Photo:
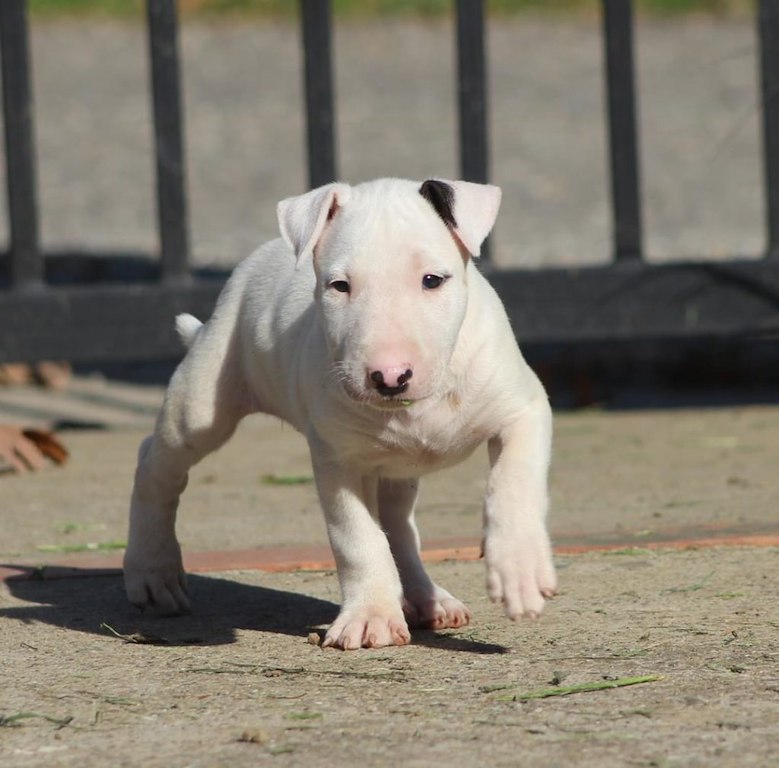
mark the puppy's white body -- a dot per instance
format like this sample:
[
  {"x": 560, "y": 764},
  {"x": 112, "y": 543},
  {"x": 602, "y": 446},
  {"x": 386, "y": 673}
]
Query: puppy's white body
[{"x": 390, "y": 374}]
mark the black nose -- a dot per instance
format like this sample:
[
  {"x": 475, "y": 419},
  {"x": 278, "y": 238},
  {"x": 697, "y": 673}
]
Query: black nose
[{"x": 384, "y": 389}]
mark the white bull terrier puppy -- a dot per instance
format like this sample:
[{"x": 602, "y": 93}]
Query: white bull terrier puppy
[{"x": 369, "y": 329}]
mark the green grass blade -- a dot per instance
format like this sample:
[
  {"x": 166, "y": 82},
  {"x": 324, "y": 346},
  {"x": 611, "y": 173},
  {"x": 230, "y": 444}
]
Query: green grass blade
[
  {"x": 567, "y": 690},
  {"x": 287, "y": 479},
  {"x": 15, "y": 719},
  {"x": 102, "y": 546}
]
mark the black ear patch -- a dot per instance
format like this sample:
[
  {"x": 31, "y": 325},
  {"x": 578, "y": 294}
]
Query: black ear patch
[{"x": 441, "y": 196}]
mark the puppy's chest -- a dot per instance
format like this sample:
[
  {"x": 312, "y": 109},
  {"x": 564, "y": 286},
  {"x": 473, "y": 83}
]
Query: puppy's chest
[{"x": 409, "y": 445}]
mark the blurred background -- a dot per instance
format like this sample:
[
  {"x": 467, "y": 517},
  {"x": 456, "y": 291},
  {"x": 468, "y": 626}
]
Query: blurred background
[{"x": 395, "y": 85}]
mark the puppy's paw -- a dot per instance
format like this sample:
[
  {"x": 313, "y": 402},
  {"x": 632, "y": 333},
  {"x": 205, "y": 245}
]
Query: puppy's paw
[
  {"x": 520, "y": 576},
  {"x": 367, "y": 626},
  {"x": 157, "y": 583},
  {"x": 435, "y": 609}
]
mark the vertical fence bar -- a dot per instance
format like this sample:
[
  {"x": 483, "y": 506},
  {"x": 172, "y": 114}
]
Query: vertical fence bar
[
  {"x": 318, "y": 84},
  {"x": 623, "y": 135},
  {"x": 169, "y": 142},
  {"x": 768, "y": 35},
  {"x": 26, "y": 262},
  {"x": 472, "y": 95},
  {"x": 472, "y": 90}
]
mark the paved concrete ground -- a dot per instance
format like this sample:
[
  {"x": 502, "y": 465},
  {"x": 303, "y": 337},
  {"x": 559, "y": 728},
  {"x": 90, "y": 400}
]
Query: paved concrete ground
[
  {"x": 396, "y": 117},
  {"x": 238, "y": 683}
]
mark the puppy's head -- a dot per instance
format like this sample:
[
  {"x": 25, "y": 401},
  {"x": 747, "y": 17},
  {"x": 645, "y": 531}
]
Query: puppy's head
[{"x": 390, "y": 258}]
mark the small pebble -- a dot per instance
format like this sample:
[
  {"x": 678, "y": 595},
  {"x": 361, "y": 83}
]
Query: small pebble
[
  {"x": 313, "y": 638},
  {"x": 255, "y": 736}
]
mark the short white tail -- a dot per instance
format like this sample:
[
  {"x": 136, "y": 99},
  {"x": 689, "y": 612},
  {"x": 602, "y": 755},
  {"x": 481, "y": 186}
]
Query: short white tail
[{"x": 187, "y": 327}]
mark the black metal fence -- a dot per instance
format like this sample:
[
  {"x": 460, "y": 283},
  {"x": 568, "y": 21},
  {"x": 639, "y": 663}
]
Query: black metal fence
[{"x": 628, "y": 299}]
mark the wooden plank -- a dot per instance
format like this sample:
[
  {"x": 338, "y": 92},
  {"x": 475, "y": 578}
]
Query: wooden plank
[
  {"x": 103, "y": 322},
  {"x": 633, "y": 300},
  {"x": 625, "y": 301}
]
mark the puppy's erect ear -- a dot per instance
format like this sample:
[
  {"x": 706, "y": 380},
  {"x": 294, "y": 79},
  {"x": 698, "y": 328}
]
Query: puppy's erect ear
[
  {"x": 468, "y": 209},
  {"x": 303, "y": 219}
]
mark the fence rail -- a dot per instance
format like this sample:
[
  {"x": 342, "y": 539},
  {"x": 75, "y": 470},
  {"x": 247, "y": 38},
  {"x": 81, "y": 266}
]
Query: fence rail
[
  {"x": 25, "y": 266},
  {"x": 108, "y": 319}
]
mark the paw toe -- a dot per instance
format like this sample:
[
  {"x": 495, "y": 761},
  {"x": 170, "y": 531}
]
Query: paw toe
[
  {"x": 165, "y": 596},
  {"x": 366, "y": 629},
  {"x": 440, "y": 612}
]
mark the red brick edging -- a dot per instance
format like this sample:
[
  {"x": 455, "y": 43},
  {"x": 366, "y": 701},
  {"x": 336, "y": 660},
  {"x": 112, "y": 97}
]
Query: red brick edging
[{"x": 317, "y": 557}]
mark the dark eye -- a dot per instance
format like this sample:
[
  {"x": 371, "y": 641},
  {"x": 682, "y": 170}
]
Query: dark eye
[
  {"x": 432, "y": 281},
  {"x": 340, "y": 285}
]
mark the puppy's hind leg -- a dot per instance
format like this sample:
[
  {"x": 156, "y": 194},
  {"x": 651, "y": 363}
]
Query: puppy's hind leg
[
  {"x": 206, "y": 398},
  {"x": 425, "y": 603}
]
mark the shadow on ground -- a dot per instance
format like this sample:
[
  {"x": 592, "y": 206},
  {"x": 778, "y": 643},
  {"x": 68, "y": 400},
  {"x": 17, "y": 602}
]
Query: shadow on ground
[
  {"x": 98, "y": 605},
  {"x": 222, "y": 607}
]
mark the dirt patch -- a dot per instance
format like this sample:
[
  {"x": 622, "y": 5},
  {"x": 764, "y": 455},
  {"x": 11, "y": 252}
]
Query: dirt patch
[
  {"x": 625, "y": 476},
  {"x": 240, "y": 683}
]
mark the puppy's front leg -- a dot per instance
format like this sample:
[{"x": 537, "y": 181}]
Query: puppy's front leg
[
  {"x": 520, "y": 572},
  {"x": 425, "y": 603},
  {"x": 371, "y": 613}
]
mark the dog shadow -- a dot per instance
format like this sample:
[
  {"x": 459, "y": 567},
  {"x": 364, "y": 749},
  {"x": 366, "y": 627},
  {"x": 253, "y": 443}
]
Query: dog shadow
[{"x": 221, "y": 607}]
